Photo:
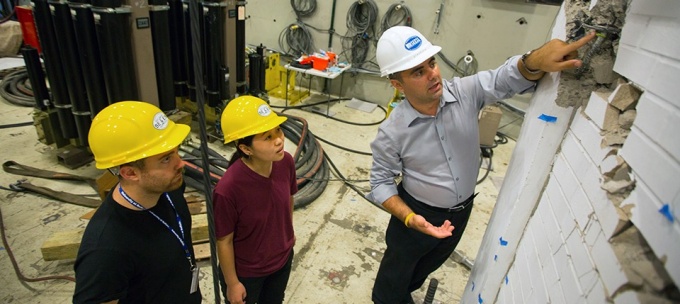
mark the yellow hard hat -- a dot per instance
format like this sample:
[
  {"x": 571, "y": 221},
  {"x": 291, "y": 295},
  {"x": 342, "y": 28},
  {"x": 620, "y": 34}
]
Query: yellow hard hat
[
  {"x": 247, "y": 115},
  {"x": 127, "y": 131}
]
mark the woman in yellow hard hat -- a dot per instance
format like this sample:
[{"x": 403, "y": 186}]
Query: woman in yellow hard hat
[
  {"x": 137, "y": 246},
  {"x": 253, "y": 205}
]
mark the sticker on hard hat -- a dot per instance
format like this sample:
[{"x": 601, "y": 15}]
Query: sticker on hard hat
[
  {"x": 264, "y": 110},
  {"x": 413, "y": 43},
  {"x": 160, "y": 121}
]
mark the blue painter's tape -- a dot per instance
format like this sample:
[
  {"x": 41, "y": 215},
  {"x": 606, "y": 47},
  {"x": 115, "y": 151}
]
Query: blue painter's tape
[
  {"x": 506, "y": 280},
  {"x": 547, "y": 118},
  {"x": 479, "y": 298},
  {"x": 503, "y": 242},
  {"x": 666, "y": 211}
]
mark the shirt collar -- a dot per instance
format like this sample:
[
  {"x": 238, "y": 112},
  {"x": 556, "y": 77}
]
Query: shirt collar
[{"x": 411, "y": 115}]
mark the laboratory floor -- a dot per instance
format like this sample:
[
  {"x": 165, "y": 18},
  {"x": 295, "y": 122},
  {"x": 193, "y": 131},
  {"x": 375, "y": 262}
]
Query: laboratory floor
[{"x": 340, "y": 235}]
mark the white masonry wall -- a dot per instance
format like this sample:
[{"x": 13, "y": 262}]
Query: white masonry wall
[{"x": 556, "y": 236}]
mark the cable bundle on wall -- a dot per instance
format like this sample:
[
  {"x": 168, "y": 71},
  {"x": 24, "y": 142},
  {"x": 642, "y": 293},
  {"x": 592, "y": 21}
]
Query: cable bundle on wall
[
  {"x": 303, "y": 7},
  {"x": 397, "y": 14},
  {"x": 360, "y": 20},
  {"x": 298, "y": 39}
]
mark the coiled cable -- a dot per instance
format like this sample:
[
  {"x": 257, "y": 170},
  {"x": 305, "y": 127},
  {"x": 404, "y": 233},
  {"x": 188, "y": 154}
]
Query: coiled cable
[
  {"x": 397, "y": 14},
  {"x": 16, "y": 88},
  {"x": 303, "y": 7},
  {"x": 297, "y": 38}
]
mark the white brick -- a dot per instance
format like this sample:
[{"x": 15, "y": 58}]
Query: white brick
[
  {"x": 581, "y": 208},
  {"x": 594, "y": 233},
  {"x": 561, "y": 174},
  {"x": 552, "y": 228},
  {"x": 516, "y": 284},
  {"x": 608, "y": 266},
  {"x": 658, "y": 119},
  {"x": 556, "y": 294},
  {"x": 635, "y": 64},
  {"x": 661, "y": 235},
  {"x": 588, "y": 134},
  {"x": 655, "y": 8},
  {"x": 579, "y": 255},
  {"x": 576, "y": 158},
  {"x": 522, "y": 269},
  {"x": 538, "y": 229},
  {"x": 662, "y": 37},
  {"x": 560, "y": 207},
  {"x": 608, "y": 218},
  {"x": 596, "y": 294},
  {"x": 634, "y": 30},
  {"x": 652, "y": 164},
  {"x": 664, "y": 80},
  {"x": 539, "y": 294},
  {"x": 597, "y": 107}
]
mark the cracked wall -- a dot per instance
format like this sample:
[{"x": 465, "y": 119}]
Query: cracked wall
[{"x": 589, "y": 207}]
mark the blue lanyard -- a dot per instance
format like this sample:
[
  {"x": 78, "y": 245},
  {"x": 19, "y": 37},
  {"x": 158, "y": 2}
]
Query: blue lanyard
[{"x": 177, "y": 217}]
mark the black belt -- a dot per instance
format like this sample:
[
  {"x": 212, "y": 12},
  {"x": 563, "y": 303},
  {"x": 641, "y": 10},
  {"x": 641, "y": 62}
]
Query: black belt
[{"x": 457, "y": 208}]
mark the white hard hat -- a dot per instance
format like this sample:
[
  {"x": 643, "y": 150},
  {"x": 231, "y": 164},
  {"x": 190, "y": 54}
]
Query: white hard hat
[{"x": 401, "y": 48}]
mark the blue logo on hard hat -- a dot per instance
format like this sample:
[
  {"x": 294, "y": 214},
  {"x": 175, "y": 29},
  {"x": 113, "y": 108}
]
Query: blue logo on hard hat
[{"x": 413, "y": 43}]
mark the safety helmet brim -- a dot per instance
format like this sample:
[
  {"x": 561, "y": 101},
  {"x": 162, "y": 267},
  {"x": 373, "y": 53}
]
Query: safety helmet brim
[
  {"x": 254, "y": 130},
  {"x": 413, "y": 61}
]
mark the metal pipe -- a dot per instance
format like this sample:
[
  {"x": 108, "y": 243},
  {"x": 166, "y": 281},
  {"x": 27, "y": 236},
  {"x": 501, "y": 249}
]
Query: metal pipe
[
  {"x": 254, "y": 67},
  {"x": 261, "y": 50},
  {"x": 159, "y": 17},
  {"x": 115, "y": 43},
  {"x": 66, "y": 40},
  {"x": 198, "y": 70},
  {"x": 240, "y": 47},
  {"x": 54, "y": 68},
  {"x": 37, "y": 78},
  {"x": 191, "y": 77},
  {"x": 178, "y": 47},
  {"x": 90, "y": 58},
  {"x": 213, "y": 25}
]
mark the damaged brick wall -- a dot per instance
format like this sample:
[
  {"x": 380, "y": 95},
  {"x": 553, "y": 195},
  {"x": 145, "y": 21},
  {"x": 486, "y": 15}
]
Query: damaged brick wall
[{"x": 604, "y": 229}]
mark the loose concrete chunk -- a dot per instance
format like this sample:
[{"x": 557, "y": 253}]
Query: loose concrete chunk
[
  {"x": 625, "y": 97},
  {"x": 627, "y": 118}
]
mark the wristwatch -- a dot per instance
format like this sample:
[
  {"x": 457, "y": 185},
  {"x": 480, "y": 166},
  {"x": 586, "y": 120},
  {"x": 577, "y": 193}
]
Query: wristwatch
[{"x": 524, "y": 63}]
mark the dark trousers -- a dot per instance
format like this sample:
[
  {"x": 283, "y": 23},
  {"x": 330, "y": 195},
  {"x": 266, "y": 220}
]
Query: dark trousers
[
  {"x": 411, "y": 256},
  {"x": 269, "y": 289}
]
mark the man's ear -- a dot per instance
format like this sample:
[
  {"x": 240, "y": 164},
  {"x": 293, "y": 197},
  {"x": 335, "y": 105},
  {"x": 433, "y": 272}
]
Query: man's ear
[
  {"x": 129, "y": 172},
  {"x": 397, "y": 85}
]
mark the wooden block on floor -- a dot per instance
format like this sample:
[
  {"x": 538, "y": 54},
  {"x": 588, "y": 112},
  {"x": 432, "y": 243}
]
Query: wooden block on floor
[{"x": 64, "y": 245}]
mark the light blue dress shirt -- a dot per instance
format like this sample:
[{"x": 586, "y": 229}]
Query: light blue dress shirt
[{"x": 438, "y": 156}]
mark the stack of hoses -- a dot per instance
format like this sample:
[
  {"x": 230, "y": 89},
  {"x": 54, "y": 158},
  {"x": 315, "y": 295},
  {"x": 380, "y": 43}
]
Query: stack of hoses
[{"x": 311, "y": 167}]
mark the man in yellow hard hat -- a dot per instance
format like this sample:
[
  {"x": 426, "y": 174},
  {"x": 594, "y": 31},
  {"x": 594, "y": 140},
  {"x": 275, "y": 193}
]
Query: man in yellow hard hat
[
  {"x": 137, "y": 247},
  {"x": 432, "y": 141}
]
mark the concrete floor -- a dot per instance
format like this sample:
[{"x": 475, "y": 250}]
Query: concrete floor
[{"x": 340, "y": 236}]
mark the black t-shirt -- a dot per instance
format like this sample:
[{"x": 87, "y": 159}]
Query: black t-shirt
[{"x": 131, "y": 256}]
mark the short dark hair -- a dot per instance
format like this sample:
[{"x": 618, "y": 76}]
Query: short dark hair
[
  {"x": 395, "y": 76},
  {"x": 248, "y": 141}
]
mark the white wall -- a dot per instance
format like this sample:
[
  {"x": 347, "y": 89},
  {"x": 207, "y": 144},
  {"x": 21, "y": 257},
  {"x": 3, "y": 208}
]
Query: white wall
[
  {"x": 559, "y": 226},
  {"x": 493, "y": 37}
]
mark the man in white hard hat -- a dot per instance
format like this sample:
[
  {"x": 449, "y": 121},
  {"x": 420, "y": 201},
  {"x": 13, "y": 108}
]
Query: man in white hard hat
[{"x": 432, "y": 141}]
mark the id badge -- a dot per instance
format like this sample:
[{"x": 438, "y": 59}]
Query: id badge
[{"x": 194, "y": 279}]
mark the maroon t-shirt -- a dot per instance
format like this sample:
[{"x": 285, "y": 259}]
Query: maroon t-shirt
[{"x": 257, "y": 210}]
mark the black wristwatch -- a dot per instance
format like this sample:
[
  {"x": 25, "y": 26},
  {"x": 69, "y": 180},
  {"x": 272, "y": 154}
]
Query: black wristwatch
[{"x": 524, "y": 63}]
